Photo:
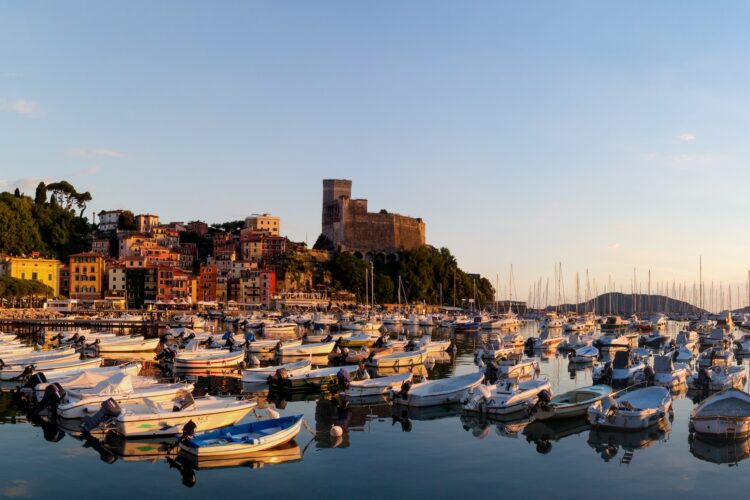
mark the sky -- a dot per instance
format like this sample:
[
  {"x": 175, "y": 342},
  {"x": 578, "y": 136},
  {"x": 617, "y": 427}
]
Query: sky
[{"x": 605, "y": 136}]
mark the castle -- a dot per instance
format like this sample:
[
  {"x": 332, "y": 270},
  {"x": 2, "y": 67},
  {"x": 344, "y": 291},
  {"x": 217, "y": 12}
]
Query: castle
[{"x": 349, "y": 226}]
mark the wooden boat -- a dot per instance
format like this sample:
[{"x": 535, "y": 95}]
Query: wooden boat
[
  {"x": 123, "y": 389},
  {"x": 377, "y": 386},
  {"x": 398, "y": 359},
  {"x": 169, "y": 417},
  {"x": 725, "y": 415},
  {"x": 243, "y": 438},
  {"x": 54, "y": 368},
  {"x": 573, "y": 403},
  {"x": 316, "y": 349},
  {"x": 633, "y": 410},
  {"x": 439, "y": 392},
  {"x": 506, "y": 397},
  {"x": 262, "y": 374},
  {"x": 270, "y": 345},
  {"x": 314, "y": 380},
  {"x": 208, "y": 358}
]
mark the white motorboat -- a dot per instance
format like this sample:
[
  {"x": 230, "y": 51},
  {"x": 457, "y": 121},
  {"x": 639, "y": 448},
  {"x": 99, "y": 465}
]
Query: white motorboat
[
  {"x": 279, "y": 327},
  {"x": 520, "y": 368},
  {"x": 315, "y": 349},
  {"x": 668, "y": 373},
  {"x": 85, "y": 379},
  {"x": 164, "y": 418},
  {"x": 122, "y": 388},
  {"x": 398, "y": 359},
  {"x": 625, "y": 369},
  {"x": 725, "y": 415},
  {"x": 613, "y": 340},
  {"x": 507, "y": 397},
  {"x": 289, "y": 369},
  {"x": 633, "y": 410},
  {"x": 587, "y": 354},
  {"x": 324, "y": 337},
  {"x": 513, "y": 339},
  {"x": 718, "y": 378},
  {"x": 494, "y": 349},
  {"x": 359, "y": 340},
  {"x": 15, "y": 350},
  {"x": 573, "y": 403},
  {"x": 548, "y": 339},
  {"x": 430, "y": 345},
  {"x": 270, "y": 345},
  {"x": 39, "y": 357},
  {"x": 7, "y": 337},
  {"x": 718, "y": 338},
  {"x": 126, "y": 344},
  {"x": 715, "y": 357},
  {"x": 208, "y": 358},
  {"x": 58, "y": 367},
  {"x": 377, "y": 386},
  {"x": 439, "y": 392}
]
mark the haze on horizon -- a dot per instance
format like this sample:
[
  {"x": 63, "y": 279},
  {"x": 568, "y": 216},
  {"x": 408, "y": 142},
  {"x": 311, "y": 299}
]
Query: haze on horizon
[{"x": 604, "y": 136}]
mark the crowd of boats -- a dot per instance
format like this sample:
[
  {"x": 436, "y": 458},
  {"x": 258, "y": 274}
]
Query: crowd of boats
[{"x": 636, "y": 368}]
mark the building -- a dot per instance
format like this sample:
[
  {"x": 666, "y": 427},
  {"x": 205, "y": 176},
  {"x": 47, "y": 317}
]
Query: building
[
  {"x": 224, "y": 244},
  {"x": 140, "y": 286},
  {"x": 257, "y": 286},
  {"x": 261, "y": 246},
  {"x": 197, "y": 227},
  {"x": 133, "y": 244},
  {"x": 173, "y": 285},
  {"x": 109, "y": 220},
  {"x": 347, "y": 224},
  {"x": 86, "y": 276},
  {"x": 165, "y": 236},
  {"x": 264, "y": 222},
  {"x": 63, "y": 280},
  {"x": 188, "y": 254},
  {"x": 144, "y": 223},
  {"x": 207, "y": 283},
  {"x": 45, "y": 271},
  {"x": 117, "y": 282},
  {"x": 101, "y": 247}
]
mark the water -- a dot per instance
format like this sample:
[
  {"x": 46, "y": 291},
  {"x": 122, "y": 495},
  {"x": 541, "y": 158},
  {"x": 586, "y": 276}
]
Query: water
[{"x": 433, "y": 454}]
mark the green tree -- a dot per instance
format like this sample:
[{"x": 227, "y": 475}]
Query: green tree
[
  {"x": 40, "y": 197},
  {"x": 126, "y": 221}
]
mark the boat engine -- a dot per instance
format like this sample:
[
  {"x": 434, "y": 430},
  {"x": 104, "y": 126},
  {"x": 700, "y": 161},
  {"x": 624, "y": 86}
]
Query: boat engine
[
  {"x": 109, "y": 411},
  {"x": 34, "y": 380},
  {"x": 53, "y": 396}
]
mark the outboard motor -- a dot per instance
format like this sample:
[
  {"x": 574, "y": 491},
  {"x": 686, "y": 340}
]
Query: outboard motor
[
  {"x": 529, "y": 344},
  {"x": 188, "y": 431},
  {"x": 343, "y": 378},
  {"x": 34, "y": 380},
  {"x": 109, "y": 410},
  {"x": 280, "y": 374},
  {"x": 53, "y": 396},
  {"x": 24, "y": 375},
  {"x": 404, "y": 392},
  {"x": 650, "y": 375}
]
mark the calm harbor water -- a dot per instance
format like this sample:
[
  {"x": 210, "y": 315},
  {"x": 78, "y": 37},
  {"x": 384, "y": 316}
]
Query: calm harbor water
[{"x": 435, "y": 453}]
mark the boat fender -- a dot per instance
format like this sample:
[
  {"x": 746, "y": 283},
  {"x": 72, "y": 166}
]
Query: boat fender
[{"x": 336, "y": 431}]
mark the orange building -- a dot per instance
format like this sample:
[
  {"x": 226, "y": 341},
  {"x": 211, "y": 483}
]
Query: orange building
[
  {"x": 86, "y": 276},
  {"x": 207, "y": 283},
  {"x": 173, "y": 284}
]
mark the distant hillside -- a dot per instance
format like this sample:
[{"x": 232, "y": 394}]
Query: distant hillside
[{"x": 622, "y": 303}]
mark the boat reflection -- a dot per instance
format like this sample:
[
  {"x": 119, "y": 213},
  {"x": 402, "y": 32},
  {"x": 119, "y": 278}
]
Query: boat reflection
[
  {"x": 608, "y": 443},
  {"x": 721, "y": 452},
  {"x": 509, "y": 426},
  {"x": 544, "y": 432},
  {"x": 288, "y": 452}
]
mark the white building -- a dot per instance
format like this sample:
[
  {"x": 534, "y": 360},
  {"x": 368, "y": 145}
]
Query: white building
[{"x": 108, "y": 219}]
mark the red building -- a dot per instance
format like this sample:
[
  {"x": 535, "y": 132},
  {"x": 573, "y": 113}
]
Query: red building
[
  {"x": 207, "y": 283},
  {"x": 197, "y": 227},
  {"x": 172, "y": 284}
]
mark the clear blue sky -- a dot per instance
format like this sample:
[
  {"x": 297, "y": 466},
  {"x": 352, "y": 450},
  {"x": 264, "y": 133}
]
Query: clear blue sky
[{"x": 605, "y": 135}]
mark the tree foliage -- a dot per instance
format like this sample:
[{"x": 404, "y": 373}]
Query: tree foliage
[
  {"x": 67, "y": 197},
  {"x": 126, "y": 221},
  {"x": 18, "y": 288}
]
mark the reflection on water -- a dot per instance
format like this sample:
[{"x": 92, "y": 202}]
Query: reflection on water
[{"x": 377, "y": 440}]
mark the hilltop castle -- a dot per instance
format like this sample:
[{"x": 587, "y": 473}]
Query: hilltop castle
[{"x": 349, "y": 226}]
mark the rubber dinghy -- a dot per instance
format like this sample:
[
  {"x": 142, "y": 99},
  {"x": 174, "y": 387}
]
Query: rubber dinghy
[
  {"x": 243, "y": 438},
  {"x": 439, "y": 392},
  {"x": 725, "y": 415},
  {"x": 633, "y": 410},
  {"x": 290, "y": 369}
]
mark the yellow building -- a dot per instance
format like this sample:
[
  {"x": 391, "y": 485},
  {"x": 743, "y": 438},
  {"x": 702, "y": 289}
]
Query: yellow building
[
  {"x": 45, "y": 271},
  {"x": 264, "y": 222},
  {"x": 86, "y": 276}
]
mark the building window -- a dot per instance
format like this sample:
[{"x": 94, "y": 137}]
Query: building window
[{"x": 34, "y": 276}]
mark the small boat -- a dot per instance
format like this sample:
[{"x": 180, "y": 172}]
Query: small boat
[
  {"x": 364, "y": 353},
  {"x": 54, "y": 368},
  {"x": 359, "y": 340},
  {"x": 279, "y": 327},
  {"x": 262, "y": 374},
  {"x": 15, "y": 350},
  {"x": 430, "y": 345},
  {"x": 7, "y": 337},
  {"x": 40, "y": 357},
  {"x": 398, "y": 359},
  {"x": 668, "y": 373},
  {"x": 84, "y": 379},
  {"x": 439, "y": 392},
  {"x": 122, "y": 388},
  {"x": 520, "y": 368},
  {"x": 725, "y": 415},
  {"x": 270, "y": 345},
  {"x": 513, "y": 339},
  {"x": 243, "y": 438},
  {"x": 507, "y": 397},
  {"x": 549, "y": 339},
  {"x": 125, "y": 344},
  {"x": 715, "y": 357},
  {"x": 313, "y": 380},
  {"x": 684, "y": 354},
  {"x": 377, "y": 386},
  {"x": 613, "y": 323},
  {"x": 718, "y": 378},
  {"x": 625, "y": 369},
  {"x": 613, "y": 340},
  {"x": 324, "y": 337},
  {"x": 573, "y": 403},
  {"x": 152, "y": 418},
  {"x": 632, "y": 410},
  {"x": 587, "y": 354},
  {"x": 315, "y": 349},
  {"x": 208, "y": 358}
]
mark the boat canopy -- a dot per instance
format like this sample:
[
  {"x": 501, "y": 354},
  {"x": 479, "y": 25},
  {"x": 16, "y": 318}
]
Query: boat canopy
[
  {"x": 120, "y": 383},
  {"x": 622, "y": 360},
  {"x": 663, "y": 364}
]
